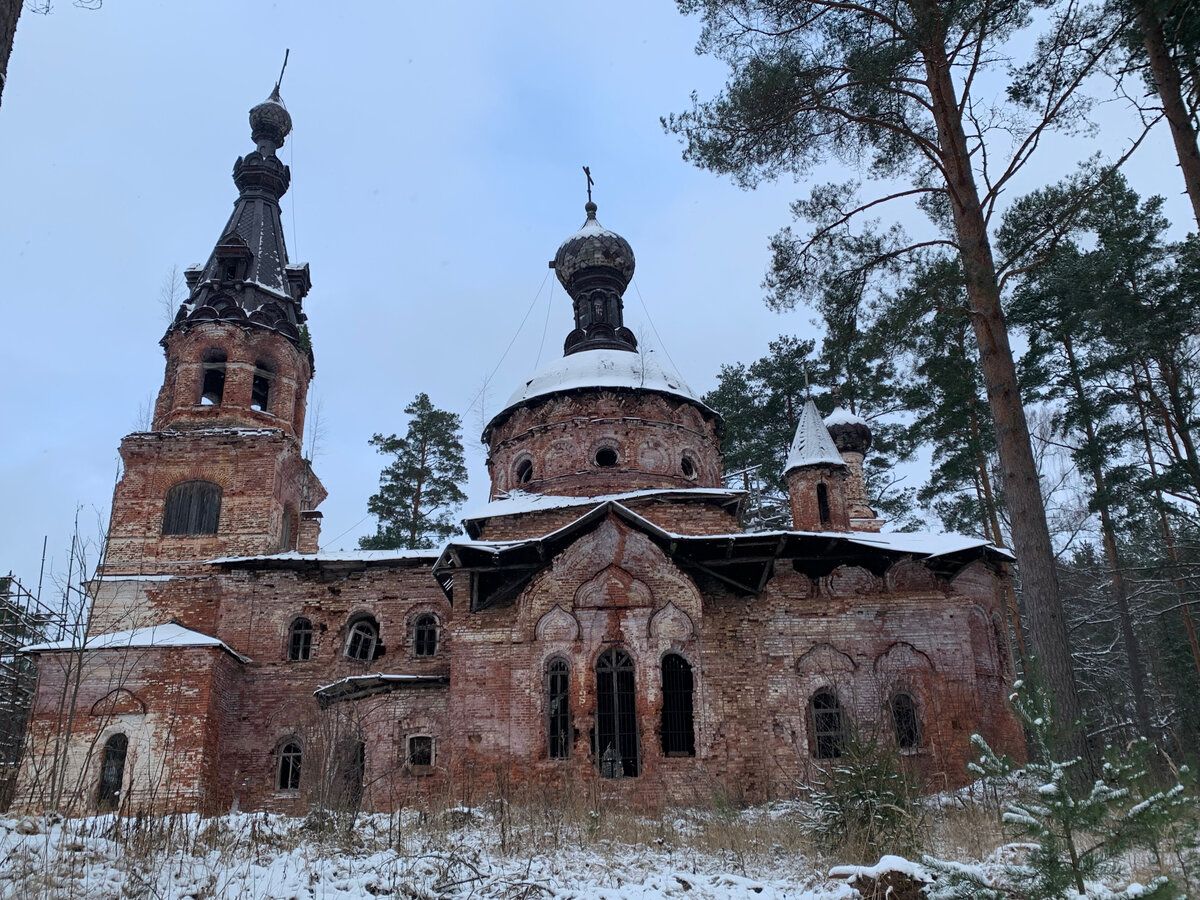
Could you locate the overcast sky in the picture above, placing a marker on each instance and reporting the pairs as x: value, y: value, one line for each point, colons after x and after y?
x: 436, y: 166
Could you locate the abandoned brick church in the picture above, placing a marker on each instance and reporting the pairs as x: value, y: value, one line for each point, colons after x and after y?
x: 603, y: 620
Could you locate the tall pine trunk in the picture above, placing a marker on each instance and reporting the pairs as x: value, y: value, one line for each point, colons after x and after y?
x: 1133, y: 651
x: 10, y: 11
x: 1027, y: 512
x: 1165, y: 74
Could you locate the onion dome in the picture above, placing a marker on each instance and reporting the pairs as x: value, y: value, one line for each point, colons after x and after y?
x: 595, y: 266
x: 850, y: 433
x: 591, y: 246
x: 270, y: 123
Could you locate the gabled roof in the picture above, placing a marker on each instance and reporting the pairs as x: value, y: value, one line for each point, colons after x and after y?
x: 172, y: 634
x: 500, y: 570
x: 812, y: 444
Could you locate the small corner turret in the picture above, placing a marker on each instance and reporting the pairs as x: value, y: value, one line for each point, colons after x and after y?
x: 816, y: 476
x: 238, y: 351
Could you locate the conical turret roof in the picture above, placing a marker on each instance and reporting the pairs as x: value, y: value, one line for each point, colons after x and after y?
x: 812, y: 445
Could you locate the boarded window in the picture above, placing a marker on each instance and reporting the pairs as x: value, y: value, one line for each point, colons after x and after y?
x: 558, y: 708
x: 823, y: 504
x: 260, y: 388
x: 346, y: 775
x: 363, y: 640
x: 425, y: 636
x: 192, y: 507
x: 212, y: 384
x: 678, y: 730
x: 300, y: 641
x: 616, y: 743
x: 289, y: 767
x: 420, y: 751
x: 905, y: 722
x: 112, y: 773
x: 828, y: 725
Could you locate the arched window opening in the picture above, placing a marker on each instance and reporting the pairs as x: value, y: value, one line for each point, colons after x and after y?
x: 288, y: 776
x: 420, y: 751
x: 823, y: 504
x: 425, y: 636
x: 192, y: 507
x: 212, y: 386
x: 260, y: 388
x: 363, y: 641
x: 112, y: 773
x: 905, y: 721
x: 524, y: 471
x: 616, y: 744
x: 678, y: 730
x: 828, y: 725
x: 300, y: 641
x: 229, y: 269
x: 606, y: 457
x: 687, y: 467
x: 558, y: 708
x: 287, y: 528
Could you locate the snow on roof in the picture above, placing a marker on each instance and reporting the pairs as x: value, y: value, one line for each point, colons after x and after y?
x: 842, y: 416
x: 926, y: 543
x: 515, y: 502
x: 332, y: 556
x: 135, y: 577
x: 171, y: 634
x: 377, y: 676
x: 812, y: 444
x: 591, y: 228
x: 604, y: 368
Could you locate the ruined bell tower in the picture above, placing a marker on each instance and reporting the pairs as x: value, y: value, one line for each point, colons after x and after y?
x: 221, y: 472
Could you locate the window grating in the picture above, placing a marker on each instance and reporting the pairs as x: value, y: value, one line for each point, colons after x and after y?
x: 905, y: 721
x: 425, y: 636
x: 678, y: 729
x: 420, y: 751
x: 558, y: 707
x: 289, y: 767
x: 112, y: 773
x: 300, y: 641
x: 616, y: 716
x: 828, y: 725
x: 192, y: 507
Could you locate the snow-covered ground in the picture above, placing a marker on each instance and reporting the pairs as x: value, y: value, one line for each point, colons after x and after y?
x: 463, y: 854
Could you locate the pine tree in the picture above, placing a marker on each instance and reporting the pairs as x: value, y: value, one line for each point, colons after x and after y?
x: 419, y: 491
x: 1075, y: 832
x: 888, y: 87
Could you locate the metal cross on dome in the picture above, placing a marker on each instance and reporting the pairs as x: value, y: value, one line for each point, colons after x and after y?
x: 588, y: 173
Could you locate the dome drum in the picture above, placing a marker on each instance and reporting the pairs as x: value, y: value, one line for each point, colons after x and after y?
x: 627, y: 442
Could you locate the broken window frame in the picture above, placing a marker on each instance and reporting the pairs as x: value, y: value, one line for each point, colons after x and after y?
x: 523, y: 471
x: 827, y: 719
x: 678, y: 714
x: 362, y: 639
x: 212, y: 377
x: 418, y: 752
x: 287, y: 772
x: 112, y: 772
x: 425, y: 635
x: 300, y: 640
x: 192, y: 508
x: 617, y: 746
x: 558, y: 708
x: 261, y: 386
x: 906, y: 721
